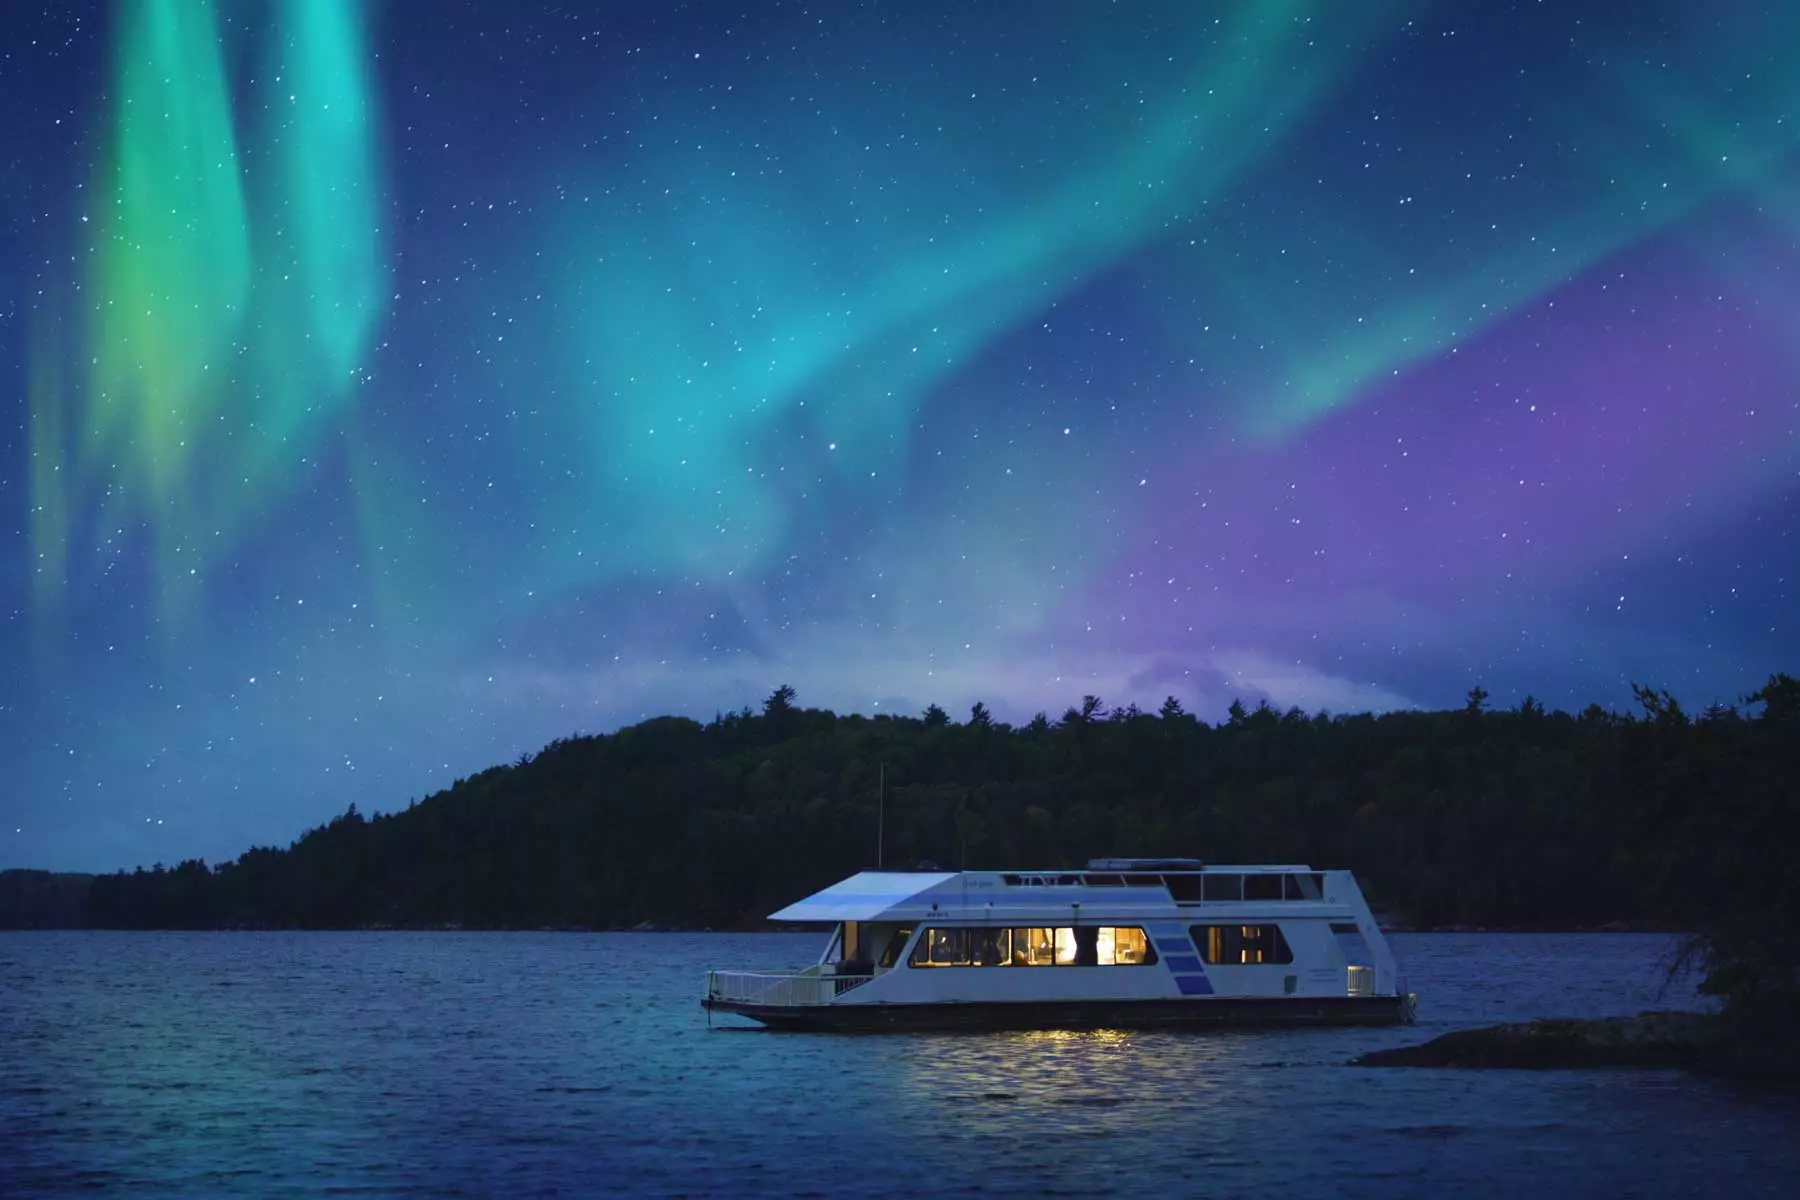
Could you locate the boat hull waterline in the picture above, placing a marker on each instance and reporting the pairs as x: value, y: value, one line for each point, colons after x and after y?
x: 1078, y: 1015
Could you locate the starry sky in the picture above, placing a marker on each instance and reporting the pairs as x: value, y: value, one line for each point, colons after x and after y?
x: 393, y: 387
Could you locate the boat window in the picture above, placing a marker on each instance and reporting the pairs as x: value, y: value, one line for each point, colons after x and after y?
x: 990, y: 947
x: 1043, y: 947
x: 1240, y: 944
x: 1222, y: 887
x: 942, y: 948
x: 1183, y: 887
x: 1154, y: 881
x: 895, y: 944
x: 1123, y: 947
x: 1262, y: 887
x: 1033, y: 947
x: 1105, y: 881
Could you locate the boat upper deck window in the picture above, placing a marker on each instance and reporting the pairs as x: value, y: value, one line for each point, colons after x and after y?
x: 1262, y: 887
x: 1035, y: 946
x: 1184, y: 888
x: 1221, y: 887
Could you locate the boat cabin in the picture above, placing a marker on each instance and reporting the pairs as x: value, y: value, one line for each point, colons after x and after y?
x: 1130, y: 941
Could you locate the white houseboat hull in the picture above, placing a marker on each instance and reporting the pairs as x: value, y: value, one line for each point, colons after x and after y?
x: 1183, y: 1013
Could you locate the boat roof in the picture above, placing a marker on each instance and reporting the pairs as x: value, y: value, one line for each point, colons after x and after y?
x: 864, y: 896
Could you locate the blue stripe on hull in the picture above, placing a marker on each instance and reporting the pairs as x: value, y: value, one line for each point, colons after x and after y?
x: 1194, y: 985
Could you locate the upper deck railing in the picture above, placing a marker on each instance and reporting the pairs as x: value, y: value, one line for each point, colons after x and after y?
x: 1186, y: 887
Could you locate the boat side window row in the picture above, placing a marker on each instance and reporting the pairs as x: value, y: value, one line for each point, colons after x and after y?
x: 1057, y: 946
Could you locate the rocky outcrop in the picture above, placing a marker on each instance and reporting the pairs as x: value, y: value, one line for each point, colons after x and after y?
x: 1653, y: 1039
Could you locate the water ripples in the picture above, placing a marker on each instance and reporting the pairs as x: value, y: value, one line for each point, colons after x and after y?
x: 501, y: 1064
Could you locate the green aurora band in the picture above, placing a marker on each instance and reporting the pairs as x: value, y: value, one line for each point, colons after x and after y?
x: 827, y: 297
x: 224, y: 323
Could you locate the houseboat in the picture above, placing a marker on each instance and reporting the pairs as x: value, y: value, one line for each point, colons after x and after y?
x: 1125, y: 943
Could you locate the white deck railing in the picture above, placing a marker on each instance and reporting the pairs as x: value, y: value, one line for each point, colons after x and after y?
x: 778, y: 988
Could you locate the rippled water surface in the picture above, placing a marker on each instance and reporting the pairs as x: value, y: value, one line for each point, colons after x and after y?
x: 481, y: 1064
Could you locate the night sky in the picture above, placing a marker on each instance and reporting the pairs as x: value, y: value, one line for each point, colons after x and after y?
x: 392, y: 388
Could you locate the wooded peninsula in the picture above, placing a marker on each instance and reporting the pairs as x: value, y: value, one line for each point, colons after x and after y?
x: 1523, y: 818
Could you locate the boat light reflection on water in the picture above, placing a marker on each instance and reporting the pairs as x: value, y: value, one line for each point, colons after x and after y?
x: 1090, y: 1083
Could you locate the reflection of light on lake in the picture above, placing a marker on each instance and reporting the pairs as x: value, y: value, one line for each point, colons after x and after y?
x: 1088, y: 1084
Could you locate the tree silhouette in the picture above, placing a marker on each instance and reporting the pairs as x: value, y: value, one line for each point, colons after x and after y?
x: 1780, y: 698
x: 1659, y: 706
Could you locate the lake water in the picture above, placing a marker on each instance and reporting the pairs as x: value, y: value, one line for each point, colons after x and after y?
x: 484, y: 1064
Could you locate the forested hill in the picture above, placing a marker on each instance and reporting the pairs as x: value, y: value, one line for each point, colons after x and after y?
x: 1477, y: 817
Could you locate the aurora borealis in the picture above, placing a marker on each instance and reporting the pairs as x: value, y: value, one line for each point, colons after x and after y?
x: 398, y: 387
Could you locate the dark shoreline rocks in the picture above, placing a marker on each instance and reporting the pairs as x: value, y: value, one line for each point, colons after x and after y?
x: 1655, y: 1039
x: 1699, y: 1042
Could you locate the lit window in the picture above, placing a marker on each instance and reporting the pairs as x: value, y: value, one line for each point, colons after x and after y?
x: 1132, y: 947
x: 1035, y: 946
x: 1040, y: 947
x: 1122, y: 947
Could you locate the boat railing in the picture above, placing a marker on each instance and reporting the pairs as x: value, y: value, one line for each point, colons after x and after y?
x: 779, y: 988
